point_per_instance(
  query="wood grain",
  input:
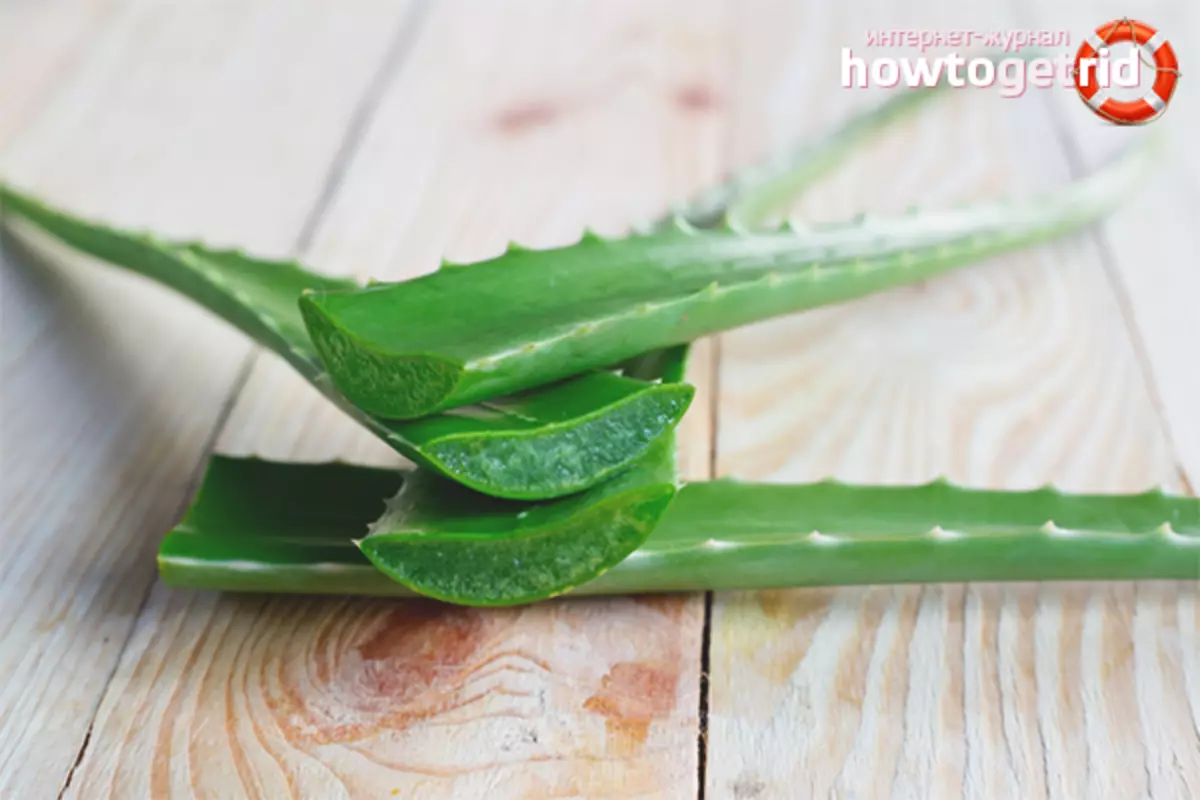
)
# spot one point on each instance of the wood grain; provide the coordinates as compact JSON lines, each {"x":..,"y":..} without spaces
{"x":183,"y":120}
{"x":40,"y":42}
{"x":1159,"y":289}
{"x":1014,"y":373}
{"x":527,"y":121}
{"x":242,"y":122}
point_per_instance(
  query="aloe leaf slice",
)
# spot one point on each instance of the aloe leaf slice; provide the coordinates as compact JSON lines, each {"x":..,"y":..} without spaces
{"x":436,"y":537}
{"x":275,"y":527}
{"x":446,"y":542}
{"x":461,"y":336}
{"x":546,"y":442}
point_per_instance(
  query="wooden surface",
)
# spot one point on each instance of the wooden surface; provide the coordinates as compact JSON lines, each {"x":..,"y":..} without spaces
{"x":372,"y":137}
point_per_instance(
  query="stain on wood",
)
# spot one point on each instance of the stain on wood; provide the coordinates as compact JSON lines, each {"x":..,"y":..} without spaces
{"x":522,"y":118}
{"x":633,"y":695}
{"x":697,"y":98}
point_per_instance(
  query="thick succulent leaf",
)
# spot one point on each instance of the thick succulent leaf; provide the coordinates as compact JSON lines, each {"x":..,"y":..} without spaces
{"x":444,"y":541}
{"x":258,"y":524}
{"x":529,"y":317}
{"x":519,"y":447}
{"x":731,"y":535}
{"x":546,"y":442}
{"x":274,"y":527}
{"x":552,"y":441}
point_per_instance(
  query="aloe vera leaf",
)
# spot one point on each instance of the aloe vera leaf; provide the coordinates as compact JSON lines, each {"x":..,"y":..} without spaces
{"x":437,"y":537}
{"x":546,"y":442}
{"x":265,"y":524}
{"x":275,"y":527}
{"x":446,"y":542}
{"x":543,"y":443}
{"x":528,"y":317}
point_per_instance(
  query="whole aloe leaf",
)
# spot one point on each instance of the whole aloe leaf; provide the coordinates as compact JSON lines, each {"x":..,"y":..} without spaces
{"x":547,"y":442}
{"x":274,"y":527}
{"x":461,"y":336}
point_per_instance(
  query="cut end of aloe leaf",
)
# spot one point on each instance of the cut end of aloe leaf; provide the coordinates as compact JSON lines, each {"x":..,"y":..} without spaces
{"x":557,"y":460}
{"x":544,"y":558}
{"x":388,"y":385}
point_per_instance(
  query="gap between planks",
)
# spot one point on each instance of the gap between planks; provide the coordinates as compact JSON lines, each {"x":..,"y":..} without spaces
{"x":1108,"y":261}
{"x":1077,"y":167}
{"x":407,"y":33}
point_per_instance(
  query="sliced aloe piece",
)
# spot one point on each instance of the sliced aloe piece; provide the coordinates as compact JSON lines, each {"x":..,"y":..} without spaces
{"x":547,"y":442}
{"x":444,"y":541}
{"x":528,"y":317}
{"x":273,"y":527}
{"x":447,"y":542}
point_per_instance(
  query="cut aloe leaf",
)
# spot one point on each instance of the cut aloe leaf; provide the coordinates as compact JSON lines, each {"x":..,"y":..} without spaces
{"x":436,"y":537}
{"x":444,"y":541}
{"x":527,"y":317}
{"x":273,"y":527}
{"x":546,"y":442}
{"x":553,"y":441}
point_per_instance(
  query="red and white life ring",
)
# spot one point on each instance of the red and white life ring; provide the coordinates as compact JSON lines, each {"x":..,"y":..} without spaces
{"x":1166,"y":67}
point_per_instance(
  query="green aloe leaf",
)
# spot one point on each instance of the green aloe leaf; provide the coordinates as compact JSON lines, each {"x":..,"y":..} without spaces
{"x":461,"y":336}
{"x":546,"y":442}
{"x":275,"y":527}
{"x":447,"y":542}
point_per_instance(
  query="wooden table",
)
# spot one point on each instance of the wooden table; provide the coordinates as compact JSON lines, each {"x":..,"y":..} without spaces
{"x":373,"y":137}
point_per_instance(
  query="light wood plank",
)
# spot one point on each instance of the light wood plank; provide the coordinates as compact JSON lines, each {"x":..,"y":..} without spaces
{"x":1014,"y":373}
{"x":527,"y":120}
{"x":1153,"y":240}
{"x":40,"y":41}
{"x":218,"y":119}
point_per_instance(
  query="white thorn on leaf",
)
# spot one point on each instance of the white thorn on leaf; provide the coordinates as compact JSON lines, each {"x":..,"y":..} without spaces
{"x":939,"y":532}
{"x":1052,"y":529}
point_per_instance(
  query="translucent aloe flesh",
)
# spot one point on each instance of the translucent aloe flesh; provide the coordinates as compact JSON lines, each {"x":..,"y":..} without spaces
{"x":462,"y":336}
{"x":546,"y":442}
{"x":273,"y":527}
{"x":445,"y":541}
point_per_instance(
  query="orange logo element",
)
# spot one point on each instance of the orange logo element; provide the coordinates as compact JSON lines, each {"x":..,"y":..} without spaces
{"x":1147,"y":40}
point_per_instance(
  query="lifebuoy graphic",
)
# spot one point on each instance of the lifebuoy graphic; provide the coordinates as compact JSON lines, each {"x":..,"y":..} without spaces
{"x":1147,"y":40}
